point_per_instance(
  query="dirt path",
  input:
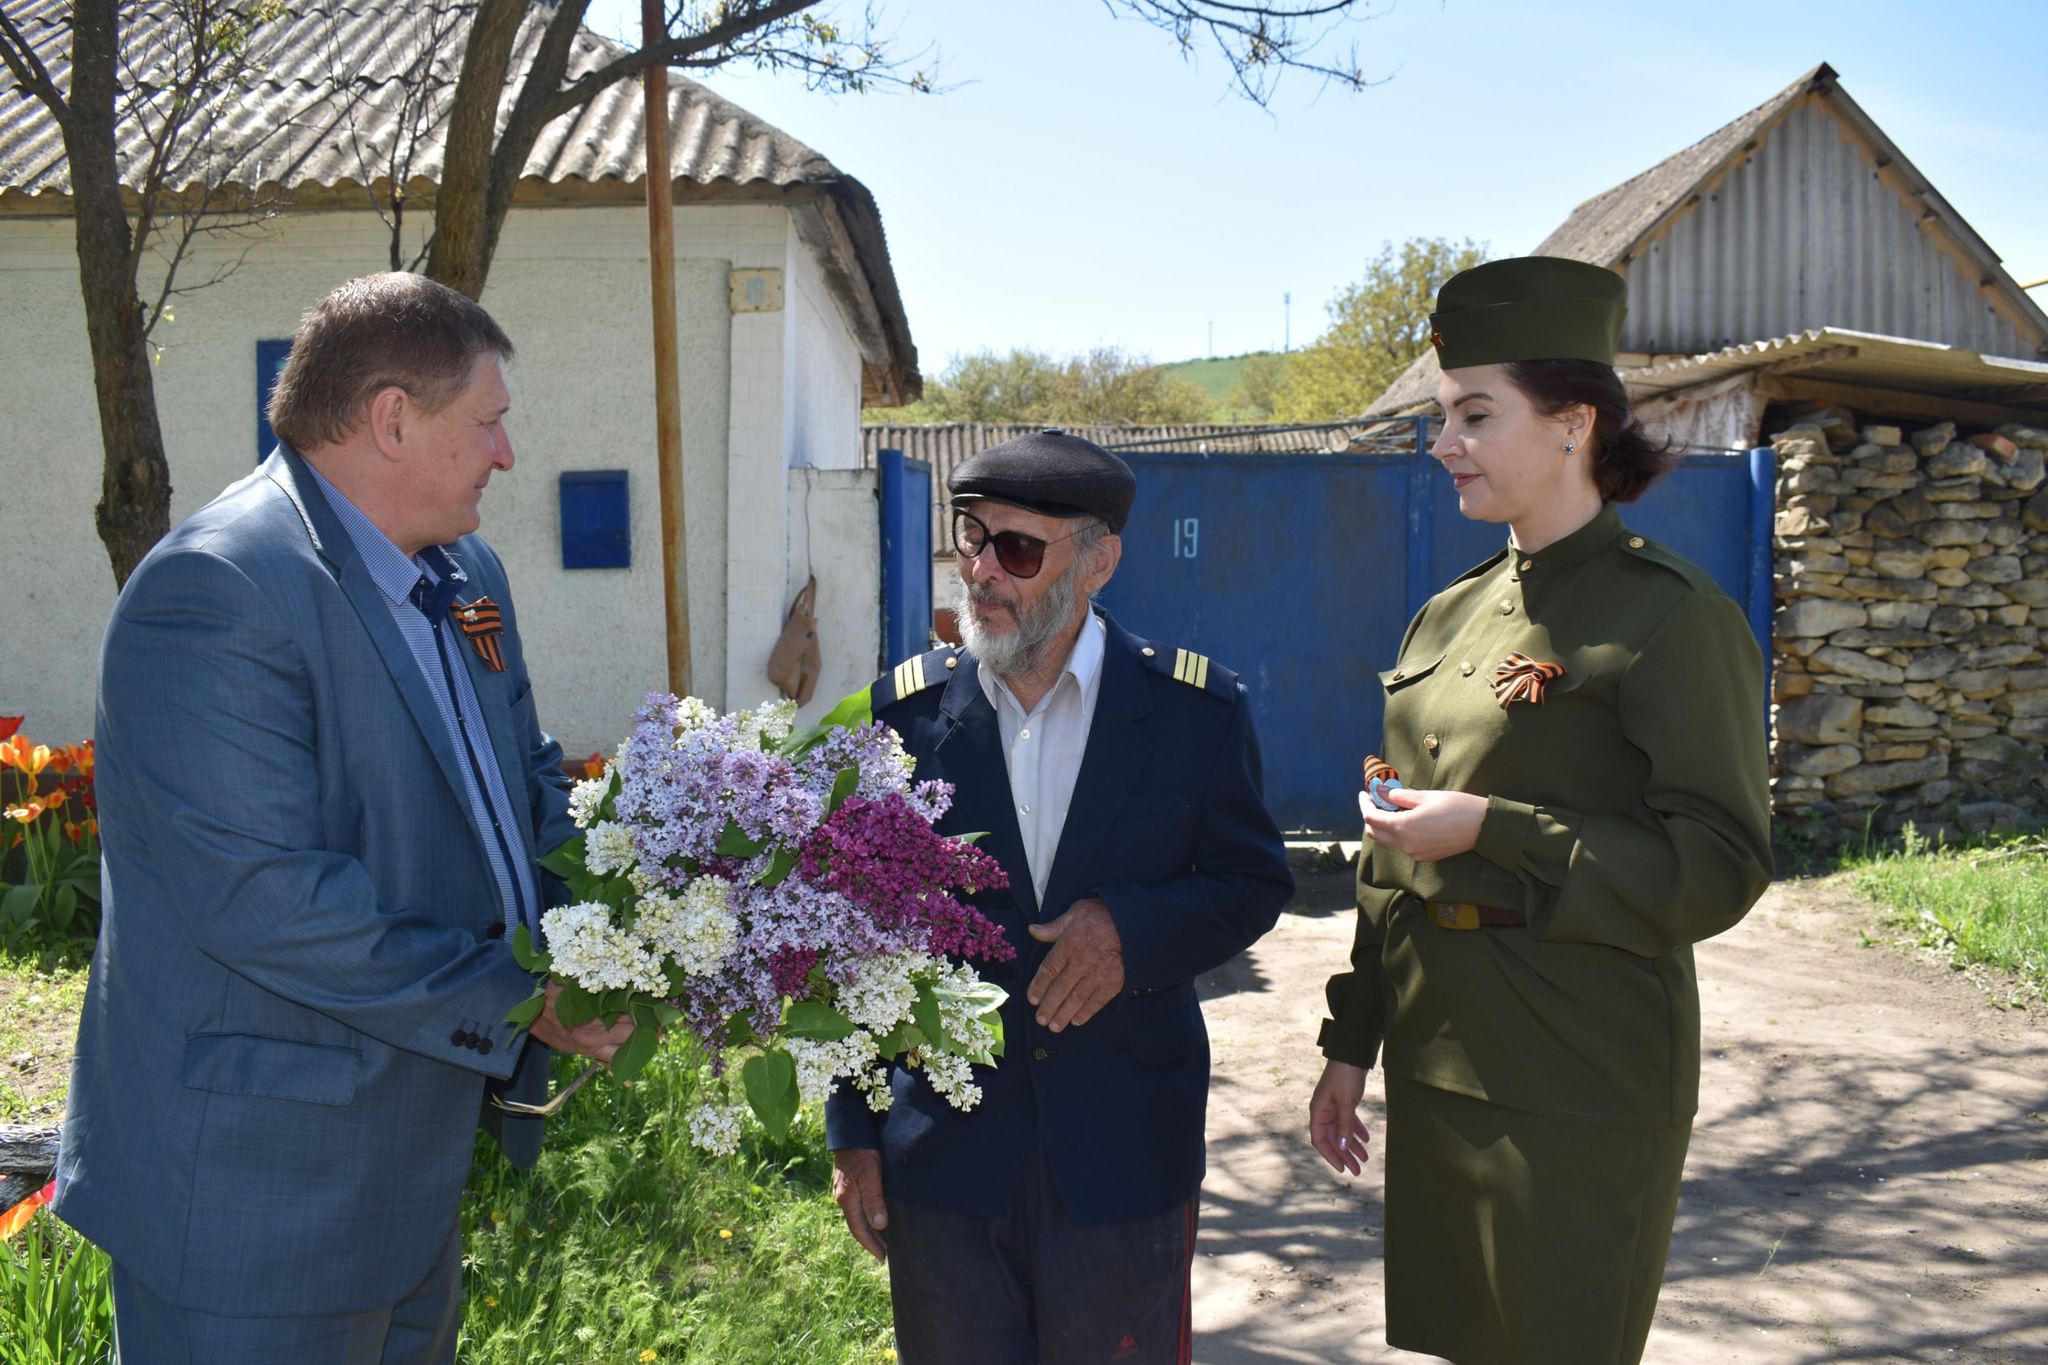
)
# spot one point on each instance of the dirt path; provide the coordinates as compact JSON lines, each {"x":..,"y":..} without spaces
{"x":1868,"y":1178}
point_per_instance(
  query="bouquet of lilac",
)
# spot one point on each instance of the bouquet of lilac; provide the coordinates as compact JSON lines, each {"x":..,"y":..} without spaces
{"x":782,"y":895}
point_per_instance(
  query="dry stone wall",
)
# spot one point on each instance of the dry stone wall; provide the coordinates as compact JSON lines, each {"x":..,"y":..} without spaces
{"x":1910,"y":680}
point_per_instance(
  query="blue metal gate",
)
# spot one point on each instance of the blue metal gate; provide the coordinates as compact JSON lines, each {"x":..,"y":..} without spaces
{"x":1301,"y":572}
{"x":906,"y":556}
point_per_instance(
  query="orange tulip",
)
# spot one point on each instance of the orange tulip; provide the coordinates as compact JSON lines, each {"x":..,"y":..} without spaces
{"x":54,"y":800}
{"x":92,"y":827}
{"x":74,"y":832}
{"x":30,"y":759}
{"x":28,"y":812}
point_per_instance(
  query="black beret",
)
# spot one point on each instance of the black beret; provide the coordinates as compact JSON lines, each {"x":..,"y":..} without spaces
{"x":1528,"y":308}
{"x":1052,"y":473}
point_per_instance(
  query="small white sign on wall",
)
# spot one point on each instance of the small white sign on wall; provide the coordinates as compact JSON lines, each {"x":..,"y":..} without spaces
{"x":757,"y":291}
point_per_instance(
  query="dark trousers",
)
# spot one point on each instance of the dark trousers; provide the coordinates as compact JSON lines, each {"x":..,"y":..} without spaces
{"x":419,"y":1329}
{"x":1035,"y":1288}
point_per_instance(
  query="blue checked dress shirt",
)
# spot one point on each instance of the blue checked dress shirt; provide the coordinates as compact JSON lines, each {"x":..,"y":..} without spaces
{"x":438,"y":652}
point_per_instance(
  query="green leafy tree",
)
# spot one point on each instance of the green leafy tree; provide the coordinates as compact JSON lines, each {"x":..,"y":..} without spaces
{"x":1105,"y":386}
{"x":1377,"y":328}
{"x":1260,"y":378}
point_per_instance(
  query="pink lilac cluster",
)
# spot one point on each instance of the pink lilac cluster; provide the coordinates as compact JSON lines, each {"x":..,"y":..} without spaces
{"x":884,"y":856}
{"x":872,"y":879}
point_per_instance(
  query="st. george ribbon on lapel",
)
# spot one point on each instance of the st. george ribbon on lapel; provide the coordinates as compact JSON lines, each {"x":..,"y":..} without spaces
{"x":481,"y":623}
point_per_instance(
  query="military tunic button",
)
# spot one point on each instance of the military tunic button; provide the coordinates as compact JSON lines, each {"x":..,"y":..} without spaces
{"x":1147,"y":651}
{"x":1465,"y":668}
{"x":1635,"y":542}
{"x":1039,"y":1054}
{"x":1429,"y":742}
{"x":1528,"y":564}
{"x":952,"y":661}
{"x":1507,"y":608}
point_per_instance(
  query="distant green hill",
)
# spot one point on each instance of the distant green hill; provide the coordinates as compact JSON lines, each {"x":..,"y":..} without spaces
{"x":1218,"y":377}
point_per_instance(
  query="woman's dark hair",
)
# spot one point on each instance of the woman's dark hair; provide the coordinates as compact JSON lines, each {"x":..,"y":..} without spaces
{"x":1625,"y":460}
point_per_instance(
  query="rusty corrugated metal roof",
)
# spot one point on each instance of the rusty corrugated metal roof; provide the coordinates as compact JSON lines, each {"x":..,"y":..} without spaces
{"x":333,"y":90}
{"x":1863,"y":359}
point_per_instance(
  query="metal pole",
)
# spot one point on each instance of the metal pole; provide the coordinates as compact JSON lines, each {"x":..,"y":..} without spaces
{"x":668,"y":413}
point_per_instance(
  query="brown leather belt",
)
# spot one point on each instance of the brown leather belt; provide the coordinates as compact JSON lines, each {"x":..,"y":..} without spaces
{"x":1464,"y":915}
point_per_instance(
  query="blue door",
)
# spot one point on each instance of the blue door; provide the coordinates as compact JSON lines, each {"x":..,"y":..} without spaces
{"x":1300,"y":573}
{"x":906,"y":557}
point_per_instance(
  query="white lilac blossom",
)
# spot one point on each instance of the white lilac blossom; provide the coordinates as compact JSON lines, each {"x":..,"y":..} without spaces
{"x":586,"y":796}
{"x":608,"y":848}
{"x":715,"y":1129}
{"x":589,"y":950}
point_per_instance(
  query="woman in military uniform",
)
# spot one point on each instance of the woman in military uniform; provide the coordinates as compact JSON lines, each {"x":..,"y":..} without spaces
{"x":1574,"y":733}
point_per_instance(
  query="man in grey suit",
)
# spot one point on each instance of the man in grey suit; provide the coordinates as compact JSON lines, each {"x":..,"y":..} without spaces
{"x":322,"y":793}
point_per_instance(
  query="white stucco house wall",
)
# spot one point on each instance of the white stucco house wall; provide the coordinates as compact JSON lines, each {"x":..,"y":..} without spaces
{"x":772,"y":382}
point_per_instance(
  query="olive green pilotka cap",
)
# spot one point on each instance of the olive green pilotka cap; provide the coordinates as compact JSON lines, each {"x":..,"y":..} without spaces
{"x":1528,"y":308}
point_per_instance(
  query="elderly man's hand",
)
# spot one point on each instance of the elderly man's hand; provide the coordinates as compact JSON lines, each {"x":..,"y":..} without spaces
{"x":1083,"y":972}
{"x":857,"y":1186}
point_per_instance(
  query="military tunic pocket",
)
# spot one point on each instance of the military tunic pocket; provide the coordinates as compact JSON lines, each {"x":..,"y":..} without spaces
{"x":1406,"y":675}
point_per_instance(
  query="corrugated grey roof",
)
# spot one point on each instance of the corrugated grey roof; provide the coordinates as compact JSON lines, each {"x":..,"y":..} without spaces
{"x":1607,"y":227}
{"x":328,"y":96}
{"x":328,"y":103}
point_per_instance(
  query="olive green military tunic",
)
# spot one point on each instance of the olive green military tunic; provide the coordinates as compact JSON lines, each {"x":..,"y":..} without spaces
{"x":1542,"y":1078}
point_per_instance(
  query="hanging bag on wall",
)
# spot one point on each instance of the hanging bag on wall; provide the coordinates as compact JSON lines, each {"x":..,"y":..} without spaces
{"x":795,"y":662}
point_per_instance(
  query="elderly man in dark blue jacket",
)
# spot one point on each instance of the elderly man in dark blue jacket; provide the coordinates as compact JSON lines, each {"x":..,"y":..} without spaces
{"x":1118,"y":785}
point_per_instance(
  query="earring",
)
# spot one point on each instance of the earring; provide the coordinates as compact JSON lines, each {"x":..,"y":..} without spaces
{"x":1569,"y":447}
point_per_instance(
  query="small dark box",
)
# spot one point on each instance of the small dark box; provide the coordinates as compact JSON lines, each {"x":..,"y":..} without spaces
{"x":596,"y":520}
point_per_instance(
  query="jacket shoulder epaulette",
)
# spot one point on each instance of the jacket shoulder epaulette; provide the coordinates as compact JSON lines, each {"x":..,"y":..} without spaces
{"x":912,"y":676}
{"x":1643,"y":548}
{"x":1186,"y":666}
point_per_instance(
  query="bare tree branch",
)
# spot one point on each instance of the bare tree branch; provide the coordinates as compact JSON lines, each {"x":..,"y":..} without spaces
{"x":30,"y":73}
{"x":1260,"y":42}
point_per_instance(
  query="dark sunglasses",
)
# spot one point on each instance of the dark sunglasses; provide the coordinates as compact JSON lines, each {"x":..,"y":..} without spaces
{"x":1020,"y":555}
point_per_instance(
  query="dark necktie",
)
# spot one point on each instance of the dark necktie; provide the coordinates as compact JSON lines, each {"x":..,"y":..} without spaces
{"x":434,"y":598}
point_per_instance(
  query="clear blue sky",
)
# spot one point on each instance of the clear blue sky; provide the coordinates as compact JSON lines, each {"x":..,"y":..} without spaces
{"x":1082,"y":185}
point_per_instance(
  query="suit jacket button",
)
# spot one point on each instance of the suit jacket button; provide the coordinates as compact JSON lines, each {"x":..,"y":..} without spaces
{"x":460,"y":1037}
{"x":1039,"y":1054}
{"x":497,"y":930}
{"x":484,"y":1046}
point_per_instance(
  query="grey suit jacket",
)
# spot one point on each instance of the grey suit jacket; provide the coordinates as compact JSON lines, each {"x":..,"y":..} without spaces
{"x":295,"y":1004}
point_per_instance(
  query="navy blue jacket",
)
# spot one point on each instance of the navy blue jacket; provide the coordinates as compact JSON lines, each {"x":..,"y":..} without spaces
{"x":1168,"y":827}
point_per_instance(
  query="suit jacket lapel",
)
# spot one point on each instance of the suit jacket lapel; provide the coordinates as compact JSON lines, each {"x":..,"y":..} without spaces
{"x":971,"y":747}
{"x":1116,"y":754}
{"x":497,"y":722}
{"x":332,"y":542}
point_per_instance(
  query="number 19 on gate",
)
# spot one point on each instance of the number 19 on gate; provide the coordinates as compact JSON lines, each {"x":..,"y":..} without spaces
{"x":1187,"y":537}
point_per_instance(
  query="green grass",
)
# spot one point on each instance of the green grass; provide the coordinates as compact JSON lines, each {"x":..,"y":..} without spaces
{"x":1216,"y":377}
{"x":626,"y":1240}
{"x":1985,"y":906}
{"x":39,"y":1001}
{"x":624,"y":1246}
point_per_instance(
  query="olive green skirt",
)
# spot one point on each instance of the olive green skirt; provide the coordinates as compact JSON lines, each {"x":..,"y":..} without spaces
{"x":1514,"y":1239}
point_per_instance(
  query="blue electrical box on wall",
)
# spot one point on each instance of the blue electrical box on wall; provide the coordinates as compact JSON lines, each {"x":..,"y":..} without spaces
{"x":270,"y":358}
{"x":596,"y":520}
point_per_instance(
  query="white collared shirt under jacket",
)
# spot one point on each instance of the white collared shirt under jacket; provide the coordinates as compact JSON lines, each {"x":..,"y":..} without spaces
{"x":1042,"y":749}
